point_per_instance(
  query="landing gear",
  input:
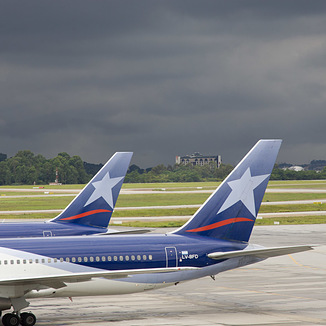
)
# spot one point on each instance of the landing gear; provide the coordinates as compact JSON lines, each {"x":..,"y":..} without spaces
{"x":25,"y":319}
{"x":10,"y":320}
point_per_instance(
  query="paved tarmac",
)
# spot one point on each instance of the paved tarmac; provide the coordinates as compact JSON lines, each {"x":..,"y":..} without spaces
{"x":288,"y":290}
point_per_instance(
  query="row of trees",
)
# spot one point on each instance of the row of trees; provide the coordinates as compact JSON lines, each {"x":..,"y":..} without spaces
{"x":280,"y":174}
{"x":189,"y":173}
{"x":177,"y":173}
{"x":27,"y":168}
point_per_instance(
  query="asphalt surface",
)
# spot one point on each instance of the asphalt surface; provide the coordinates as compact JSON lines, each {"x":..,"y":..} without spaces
{"x":287,"y":290}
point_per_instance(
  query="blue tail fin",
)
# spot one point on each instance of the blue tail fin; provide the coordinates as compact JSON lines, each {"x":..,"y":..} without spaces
{"x":95,"y":203}
{"x":230,"y":212}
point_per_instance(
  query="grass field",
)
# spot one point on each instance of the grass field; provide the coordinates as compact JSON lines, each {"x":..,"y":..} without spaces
{"x":46,"y":202}
{"x":269,"y":221}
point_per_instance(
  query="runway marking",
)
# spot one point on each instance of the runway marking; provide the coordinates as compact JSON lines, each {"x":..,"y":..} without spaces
{"x":296,"y":262}
{"x":306,"y":266}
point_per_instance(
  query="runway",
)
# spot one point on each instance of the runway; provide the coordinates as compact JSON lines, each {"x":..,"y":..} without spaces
{"x":288,"y":290}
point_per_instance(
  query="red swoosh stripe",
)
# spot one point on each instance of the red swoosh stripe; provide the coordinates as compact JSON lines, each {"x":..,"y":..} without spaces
{"x":85,"y":214}
{"x":221,"y":223}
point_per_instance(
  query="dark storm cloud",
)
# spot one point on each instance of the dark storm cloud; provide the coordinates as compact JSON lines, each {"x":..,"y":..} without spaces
{"x":162,"y":78}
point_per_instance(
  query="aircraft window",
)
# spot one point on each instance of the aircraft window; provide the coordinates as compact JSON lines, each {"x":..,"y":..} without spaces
{"x":85,"y":259}
{"x":18,"y":262}
{"x":73,"y":259}
{"x":31,"y":261}
{"x":67,"y":259}
{"x":43,"y":261}
{"x":150,"y":257}
{"x":6,"y":262}
{"x":115,"y":258}
{"x":138,"y":257}
{"x":91,"y":259}
{"x":12,"y":262}
{"x":133,"y":257}
{"x":61,"y":260}
{"x":36,"y":261}
{"x":121,"y":258}
{"x":49,"y":260}
{"x":127,"y":258}
{"x":97,"y":258}
{"x":109,"y":258}
{"x":144,"y":257}
{"x":103,"y":258}
{"x":79,"y":259}
{"x":24,"y":261}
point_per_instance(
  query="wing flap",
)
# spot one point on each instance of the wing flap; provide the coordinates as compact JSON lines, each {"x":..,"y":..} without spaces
{"x":261,"y":252}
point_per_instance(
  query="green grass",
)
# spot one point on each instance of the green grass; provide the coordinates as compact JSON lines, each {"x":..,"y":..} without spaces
{"x":165,"y":199}
{"x":24,"y":203}
{"x":174,"y":185}
{"x":191,"y":211}
{"x":26,"y":193}
{"x":292,"y":196}
{"x":293,"y":220}
{"x":154,"y":212}
{"x":160,"y":199}
{"x":151,"y":224}
{"x":320,"y":184}
{"x":48,"y":202}
{"x":32,"y":216}
{"x":171,"y":185}
{"x":44,"y":187}
{"x":269,"y":221}
{"x":292,"y":208}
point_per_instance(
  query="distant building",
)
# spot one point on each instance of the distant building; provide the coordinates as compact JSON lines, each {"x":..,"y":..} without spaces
{"x":295,"y":168}
{"x":199,"y":159}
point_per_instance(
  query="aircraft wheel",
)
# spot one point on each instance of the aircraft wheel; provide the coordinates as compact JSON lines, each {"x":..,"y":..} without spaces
{"x":27,"y":319}
{"x":10,"y":320}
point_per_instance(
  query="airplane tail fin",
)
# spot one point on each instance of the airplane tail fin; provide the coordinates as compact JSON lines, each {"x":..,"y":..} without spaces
{"x":230,"y":212}
{"x":94,"y":205}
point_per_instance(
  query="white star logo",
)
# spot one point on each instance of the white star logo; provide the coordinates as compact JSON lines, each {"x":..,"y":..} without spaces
{"x":103,"y":188}
{"x":243,"y":189}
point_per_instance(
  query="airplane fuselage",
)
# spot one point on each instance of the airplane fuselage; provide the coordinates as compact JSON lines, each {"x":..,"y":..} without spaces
{"x":46,"y":229}
{"x":62,"y":256}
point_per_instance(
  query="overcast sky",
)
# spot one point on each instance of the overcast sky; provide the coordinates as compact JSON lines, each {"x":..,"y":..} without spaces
{"x":162,"y":78}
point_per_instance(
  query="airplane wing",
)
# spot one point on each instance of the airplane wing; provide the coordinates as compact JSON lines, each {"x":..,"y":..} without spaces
{"x":261,"y":252}
{"x":58,"y":281}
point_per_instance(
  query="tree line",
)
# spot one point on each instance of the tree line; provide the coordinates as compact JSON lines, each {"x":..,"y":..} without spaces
{"x":190,"y":173}
{"x":27,"y":168}
{"x":177,"y":173}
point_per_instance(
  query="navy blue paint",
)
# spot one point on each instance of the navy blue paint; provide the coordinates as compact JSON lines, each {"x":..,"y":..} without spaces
{"x":37,"y":229}
{"x":62,"y":247}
